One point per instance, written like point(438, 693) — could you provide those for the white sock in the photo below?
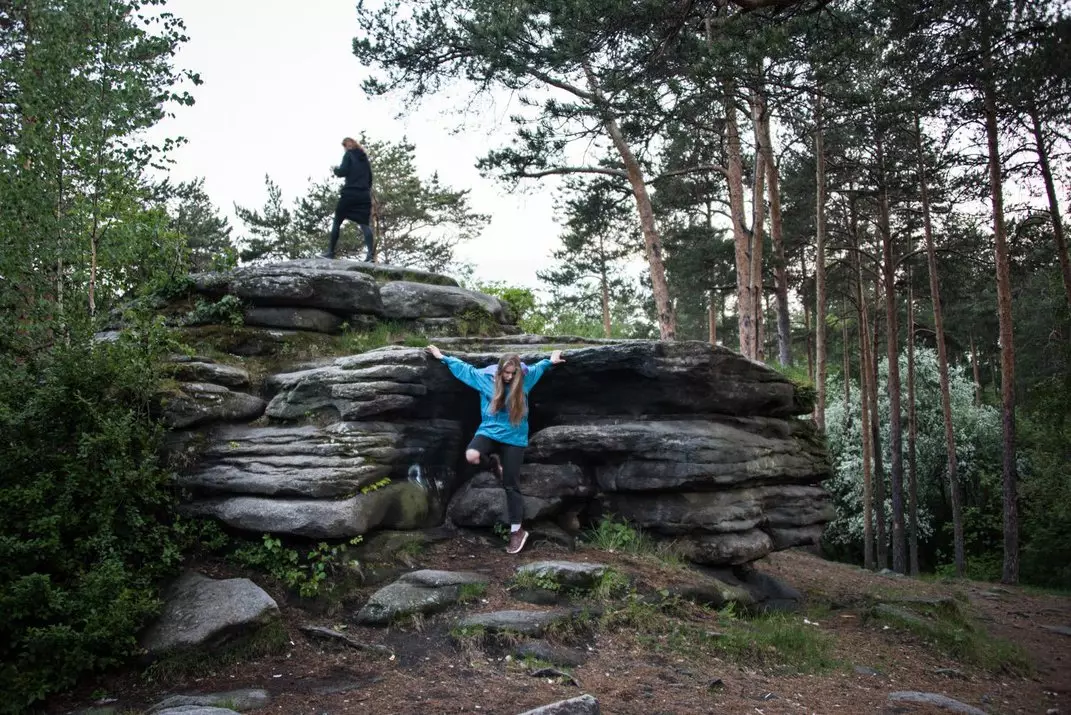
point(514, 528)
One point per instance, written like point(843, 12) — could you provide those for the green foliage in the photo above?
point(353, 342)
point(206, 233)
point(977, 442)
point(521, 301)
point(535, 581)
point(85, 511)
point(618, 536)
point(378, 484)
point(309, 574)
point(776, 640)
point(948, 626)
point(228, 310)
point(471, 592)
point(475, 322)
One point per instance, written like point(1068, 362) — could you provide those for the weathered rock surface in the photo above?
point(240, 700)
point(314, 462)
point(688, 454)
point(200, 403)
point(203, 369)
point(558, 655)
point(402, 505)
point(321, 295)
point(528, 623)
point(426, 591)
point(691, 442)
point(547, 490)
point(583, 705)
point(407, 299)
point(567, 574)
point(942, 702)
point(295, 286)
point(196, 710)
point(200, 611)
point(293, 318)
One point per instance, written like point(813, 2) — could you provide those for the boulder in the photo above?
point(199, 403)
point(203, 612)
point(293, 318)
point(688, 454)
point(641, 378)
point(203, 369)
point(290, 285)
point(314, 462)
point(382, 272)
point(528, 623)
point(567, 574)
point(934, 700)
point(420, 592)
point(402, 505)
point(240, 700)
point(408, 300)
point(731, 548)
point(387, 382)
point(583, 705)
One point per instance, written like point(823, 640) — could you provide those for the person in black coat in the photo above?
point(355, 202)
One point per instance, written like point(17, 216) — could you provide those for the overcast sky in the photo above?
point(282, 87)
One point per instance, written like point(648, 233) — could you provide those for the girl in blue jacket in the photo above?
point(503, 433)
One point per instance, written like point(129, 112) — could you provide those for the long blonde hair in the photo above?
point(515, 399)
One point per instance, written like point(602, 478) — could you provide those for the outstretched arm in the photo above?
point(460, 369)
point(536, 371)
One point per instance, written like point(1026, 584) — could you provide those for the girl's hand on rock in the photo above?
point(556, 357)
point(435, 352)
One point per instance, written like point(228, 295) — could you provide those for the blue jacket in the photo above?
point(496, 425)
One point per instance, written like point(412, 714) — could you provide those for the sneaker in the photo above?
point(326, 255)
point(496, 465)
point(517, 540)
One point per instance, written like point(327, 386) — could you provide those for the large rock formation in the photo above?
point(693, 443)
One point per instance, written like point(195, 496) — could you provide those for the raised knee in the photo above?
point(472, 456)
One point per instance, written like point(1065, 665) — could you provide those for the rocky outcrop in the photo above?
point(203, 612)
point(691, 442)
point(420, 592)
point(323, 295)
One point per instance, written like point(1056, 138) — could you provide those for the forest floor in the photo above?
point(859, 637)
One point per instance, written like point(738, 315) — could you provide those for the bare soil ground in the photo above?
point(635, 668)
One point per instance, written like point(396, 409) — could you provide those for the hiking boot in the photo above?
point(517, 540)
point(326, 255)
point(496, 465)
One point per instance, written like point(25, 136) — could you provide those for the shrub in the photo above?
point(85, 509)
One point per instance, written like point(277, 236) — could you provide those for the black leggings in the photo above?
point(512, 456)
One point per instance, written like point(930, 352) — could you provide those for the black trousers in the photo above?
point(357, 207)
point(512, 457)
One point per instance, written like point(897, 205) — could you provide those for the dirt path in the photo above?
point(634, 669)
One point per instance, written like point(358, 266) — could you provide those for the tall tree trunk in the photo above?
point(604, 288)
point(912, 432)
point(977, 372)
point(1010, 572)
point(882, 544)
point(892, 354)
point(712, 319)
point(773, 190)
point(808, 345)
point(942, 360)
point(758, 211)
point(820, 265)
point(864, 395)
point(1054, 204)
point(667, 321)
point(846, 369)
point(741, 235)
